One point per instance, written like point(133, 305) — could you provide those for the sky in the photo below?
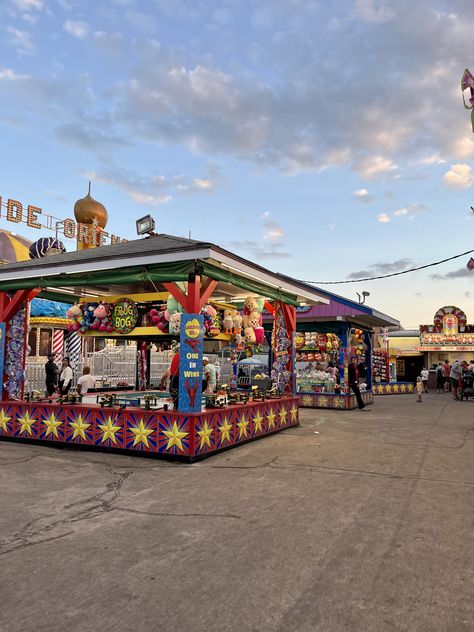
point(324, 140)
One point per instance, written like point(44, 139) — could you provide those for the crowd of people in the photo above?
point(59, 379)
point(453, 378)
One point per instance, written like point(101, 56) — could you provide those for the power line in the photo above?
point(386, 276)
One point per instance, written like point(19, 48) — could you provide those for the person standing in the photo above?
point(455, 377)
point(209, 376)
point(86, 381)
point(65, 379)
point(440, 377)
point(353, 379)
point(424, 378)
point(173, 374)
point(447, 373)
point(52, 373)
point(420, 389)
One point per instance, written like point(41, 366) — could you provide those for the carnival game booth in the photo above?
point(153, 289)
point(327, 337)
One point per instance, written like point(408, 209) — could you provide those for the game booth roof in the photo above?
point(142, 265)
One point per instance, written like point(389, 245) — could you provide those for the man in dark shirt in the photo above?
point(353, 375)
point(52, 373)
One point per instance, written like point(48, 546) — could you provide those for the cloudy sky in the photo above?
point(325, 140)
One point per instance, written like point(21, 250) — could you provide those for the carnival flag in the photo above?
point(470, 264)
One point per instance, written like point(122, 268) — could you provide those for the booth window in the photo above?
point(45, 342)
point(32, 337)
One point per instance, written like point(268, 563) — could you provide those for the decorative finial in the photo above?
point(89, 192)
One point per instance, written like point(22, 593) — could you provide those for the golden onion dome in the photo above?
point(86, 210)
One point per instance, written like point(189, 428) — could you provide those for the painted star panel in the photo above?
point(26, 424)
point(51, 422)
point(174, 435)
point(109, 428)
point(141, 431)
point(225, 425)
point(207, 434)
point(7, 420)
point(80, 425)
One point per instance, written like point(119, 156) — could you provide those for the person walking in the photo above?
point(65, 379)
point(420, 389)
point(353, 379)
point(52, 372)
point(425, 374)
point(440, 377)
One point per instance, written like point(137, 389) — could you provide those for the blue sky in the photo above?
point(325, 140)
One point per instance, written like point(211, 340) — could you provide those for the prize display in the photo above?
point(380, 365)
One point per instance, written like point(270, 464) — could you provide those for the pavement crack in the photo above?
point(50, 527)
point(165, 514)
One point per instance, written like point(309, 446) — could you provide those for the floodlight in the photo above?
point(145, 225)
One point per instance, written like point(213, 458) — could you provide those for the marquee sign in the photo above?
point(33, 217)
point(124, 315)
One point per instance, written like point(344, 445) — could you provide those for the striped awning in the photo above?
point(13, 247)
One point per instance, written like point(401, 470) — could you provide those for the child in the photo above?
point(419, 389)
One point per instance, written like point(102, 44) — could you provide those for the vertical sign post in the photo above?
point(190, 363)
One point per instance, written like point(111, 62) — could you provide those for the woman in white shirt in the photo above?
point(65, 378)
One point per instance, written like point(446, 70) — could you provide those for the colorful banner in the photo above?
point(190, 363)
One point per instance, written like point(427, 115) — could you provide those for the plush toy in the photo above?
point(175, 323)
point(74, 313)
point(253, 320)
point(259, 335)
point(209, 313)
point(250, 305)
point(249, 334)
point(237, 319)
point(228, 323)
point(238, 341)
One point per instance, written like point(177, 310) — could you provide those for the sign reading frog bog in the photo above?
point(124, 316)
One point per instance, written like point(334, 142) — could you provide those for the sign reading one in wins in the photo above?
point(190, 363)
point(124, 316)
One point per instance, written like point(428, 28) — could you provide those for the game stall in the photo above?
point(327, 337)
point(160, 291)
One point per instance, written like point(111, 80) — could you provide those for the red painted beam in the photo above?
point(180, 296)
point(194, 295)
point(17, 300)
point(207, 289)
point(269, 307)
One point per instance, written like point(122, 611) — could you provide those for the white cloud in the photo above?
point(272, 231)
point(374, 10)
point(28, 5)
point(460, 176)
point(433, 159)
point(375, 167)
point(384, 218)
point(21, 39)
point(401, 211)
point(77, 28)
point(363, 195)
point(7, 74)
point(152, 200)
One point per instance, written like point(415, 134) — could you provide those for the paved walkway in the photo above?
point(366, 526)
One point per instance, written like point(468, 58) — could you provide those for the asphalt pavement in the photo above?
point(353, 521)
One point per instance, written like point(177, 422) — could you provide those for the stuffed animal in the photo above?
point(237, 319)
point(259, 335)
point(175, 323)
point(249, 334)
point(209, 313)
point(228, 323)
point(254, 320)
point(238, 342)
point(250, 305)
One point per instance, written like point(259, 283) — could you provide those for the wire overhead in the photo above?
point(392, 274)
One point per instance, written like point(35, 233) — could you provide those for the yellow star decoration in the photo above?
point(4, 420)
point(294, 413)
point(79, 428)
point(205, 433)
point(26, 422)
point(109, 431)
point(258, 421)
point(141, 433)
point(225, 430)
point(52, 424)
point(175, 437)
point(271, 418)
point(242, 425)
point(283, 413)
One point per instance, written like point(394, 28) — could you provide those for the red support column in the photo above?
point(289, 312)
point(180, 296)
point(194, 295)
point(206, 292)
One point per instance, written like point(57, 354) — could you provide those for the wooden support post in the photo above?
point(194, 295)
point(269, 307)
point(180, 296)
point(206, 292)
